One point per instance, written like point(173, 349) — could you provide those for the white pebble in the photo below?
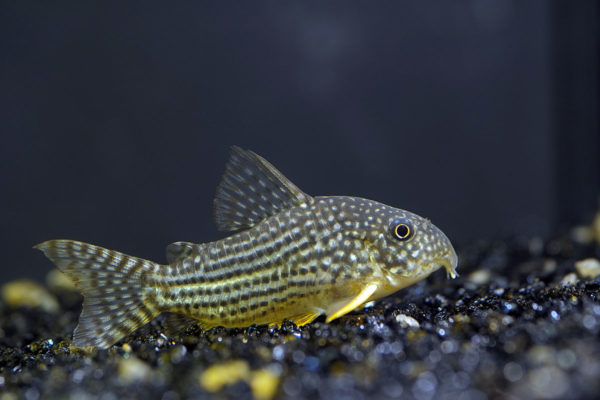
point(407, 321)
point(569, 279)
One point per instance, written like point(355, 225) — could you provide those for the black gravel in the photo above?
point(507, 328)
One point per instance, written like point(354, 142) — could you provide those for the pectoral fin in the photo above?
point(361, 298)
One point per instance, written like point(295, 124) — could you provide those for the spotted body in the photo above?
point(296, 257)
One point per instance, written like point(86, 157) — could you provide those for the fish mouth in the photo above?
point(398, 281)
point(449, 261)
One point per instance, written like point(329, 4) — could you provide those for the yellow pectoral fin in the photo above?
point(362, 297)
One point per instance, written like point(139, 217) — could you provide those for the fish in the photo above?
point(290, 256)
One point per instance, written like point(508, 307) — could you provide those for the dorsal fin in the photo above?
point(252, 190)
point(178, 250)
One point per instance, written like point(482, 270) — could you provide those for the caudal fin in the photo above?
point(116, 302)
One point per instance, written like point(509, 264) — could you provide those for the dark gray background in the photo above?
point(116, 119)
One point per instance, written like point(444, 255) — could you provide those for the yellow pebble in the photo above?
point(27, 293)
point(219, 375)
point(56, 280)
point(264, 384)
point(133, 369)
point(588, 268)
point(9, 396)
point(337, 368)
point(596, 228)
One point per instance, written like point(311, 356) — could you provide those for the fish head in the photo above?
point(410, 247)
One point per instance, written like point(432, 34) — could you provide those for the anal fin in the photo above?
point(304, 319)
point(361, 298)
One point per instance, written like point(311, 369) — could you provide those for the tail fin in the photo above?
point(112, 283)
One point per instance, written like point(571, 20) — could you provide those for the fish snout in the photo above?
point(448, 258)
point(450, 262)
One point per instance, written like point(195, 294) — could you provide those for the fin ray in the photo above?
point(115, 303)
point(178, 250)
point(175, 324)
point(251, 190)
point(304, 319)
point(361, 298)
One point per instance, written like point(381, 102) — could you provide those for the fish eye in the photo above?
point(402, 231)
